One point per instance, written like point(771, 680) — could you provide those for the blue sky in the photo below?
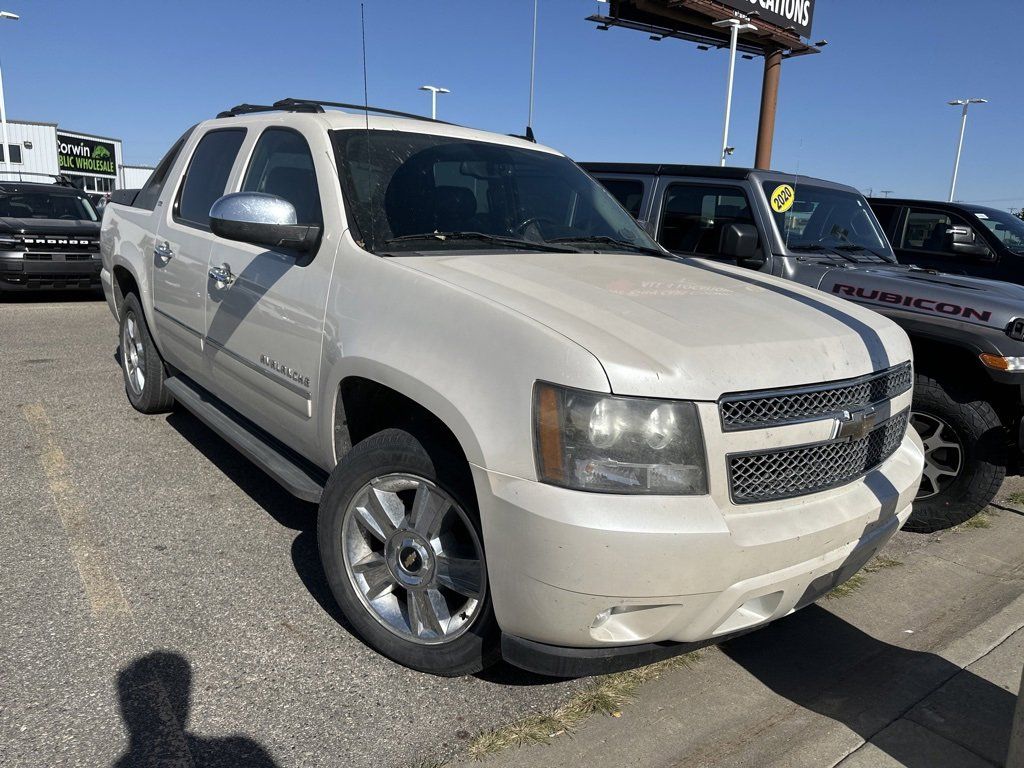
point(870, 111)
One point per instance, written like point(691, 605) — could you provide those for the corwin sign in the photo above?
point(798, 14)
point(79, 155)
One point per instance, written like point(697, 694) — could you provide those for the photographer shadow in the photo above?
point(155, 696)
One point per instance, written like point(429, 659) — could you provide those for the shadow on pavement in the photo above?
point(826, 665)
point(155, 696)
point(288, 511)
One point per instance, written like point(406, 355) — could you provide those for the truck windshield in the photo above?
point(417, 192)
point(1005, 226)
point(813, 218)
point(46, 205)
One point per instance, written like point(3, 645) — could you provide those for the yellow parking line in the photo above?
point(106, 599)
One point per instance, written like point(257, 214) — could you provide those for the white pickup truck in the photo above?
point(531, 432)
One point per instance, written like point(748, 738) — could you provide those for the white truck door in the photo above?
point(182, 250)
point(264, 329)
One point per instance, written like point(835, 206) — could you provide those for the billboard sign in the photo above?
point(798, 14)
point(80, 155)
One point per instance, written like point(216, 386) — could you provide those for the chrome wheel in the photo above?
point(943, 454)
point(133, 354)
point(414, 558)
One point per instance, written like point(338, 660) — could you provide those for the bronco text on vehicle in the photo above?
point(968, 334)
point(529, 429)
point(49, 237)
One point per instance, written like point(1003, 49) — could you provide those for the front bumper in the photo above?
point(59, 271)
point(578, 571)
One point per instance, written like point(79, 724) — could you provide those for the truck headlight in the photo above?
point(595, 442)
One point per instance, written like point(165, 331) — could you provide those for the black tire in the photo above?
point(151, 396)
point(395, 451)
point(982, 438)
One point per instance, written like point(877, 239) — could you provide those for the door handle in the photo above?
point(163, 251)
point(222, 276)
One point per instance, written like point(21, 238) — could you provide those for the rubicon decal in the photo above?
point(914, 302)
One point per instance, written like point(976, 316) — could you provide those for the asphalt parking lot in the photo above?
point(125, 536)
point(162, 604)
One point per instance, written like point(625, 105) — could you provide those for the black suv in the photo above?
point(957, 238)
point(49, 237)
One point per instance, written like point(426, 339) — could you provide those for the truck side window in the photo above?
point(928, 231)
point(693, 216)
point(150, 192)
point(629, 192)
point(282, 165)
point(886, 215)
point(207, 175)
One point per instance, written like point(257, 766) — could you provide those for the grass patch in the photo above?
point(1016, 498)
point(855, 582)
point(981, 520)
point(607, 696)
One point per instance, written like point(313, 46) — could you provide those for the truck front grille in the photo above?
point(769, 408)
point(805, 469)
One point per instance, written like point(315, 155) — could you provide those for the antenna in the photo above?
point(366, 114)
point(533, 73)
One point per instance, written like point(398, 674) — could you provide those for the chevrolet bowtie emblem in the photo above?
point(856, 425)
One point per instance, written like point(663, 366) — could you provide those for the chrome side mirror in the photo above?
point(261, 219)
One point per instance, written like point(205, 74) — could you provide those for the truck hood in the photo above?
point(680, 329)
point(973, 300)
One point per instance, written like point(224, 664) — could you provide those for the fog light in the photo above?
point(601, 618)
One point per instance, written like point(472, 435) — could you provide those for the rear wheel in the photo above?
point(401, 547)
point(965, 454)
point(143, 369)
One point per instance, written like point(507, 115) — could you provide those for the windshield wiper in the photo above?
point(604, 239)
point(481, 237)
point(819, 248)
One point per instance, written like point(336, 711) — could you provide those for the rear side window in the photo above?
point(150, 193)
point(694, 216)
point(207, 175)
point(629, 192)
point(282, 165)
point(886, 215)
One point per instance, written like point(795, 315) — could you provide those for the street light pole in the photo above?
point(736, 26)
point(434, 90)
point(3, 106)
point(965, 103)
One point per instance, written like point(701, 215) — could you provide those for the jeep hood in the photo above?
point(49, 226)
point(925, 293)
point(680, 329)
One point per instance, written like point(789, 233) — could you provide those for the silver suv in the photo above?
point(529, 430)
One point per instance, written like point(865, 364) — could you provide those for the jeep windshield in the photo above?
point(65, 205)
point(1007, 227)
point(413, 192)
point(830, 222)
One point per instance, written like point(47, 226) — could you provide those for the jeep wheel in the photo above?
point(965, 455)
point(143, 369)
point(401, 547)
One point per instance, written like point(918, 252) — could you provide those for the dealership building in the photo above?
point(40, 151)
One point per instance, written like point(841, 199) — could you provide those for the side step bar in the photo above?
point(297, 476)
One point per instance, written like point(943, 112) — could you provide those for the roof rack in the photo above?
point(317, 106)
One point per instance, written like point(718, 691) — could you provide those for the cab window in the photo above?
point(629, 192)
point(282, 165)
point(207, 175)
point(693, 216)
point(931, 231)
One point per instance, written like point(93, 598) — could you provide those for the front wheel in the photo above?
point(964, 452)
point(401, 548)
